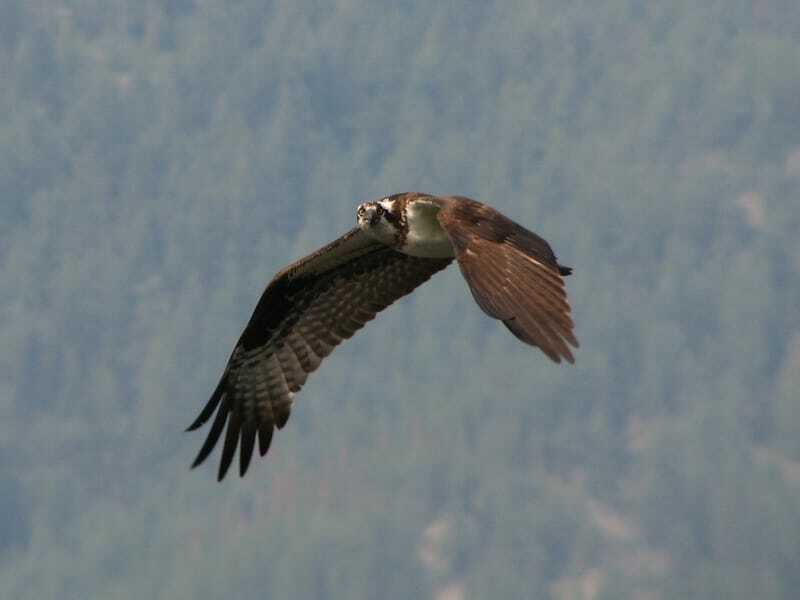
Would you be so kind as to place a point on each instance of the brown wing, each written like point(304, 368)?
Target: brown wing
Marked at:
point(304, 313)
point(513, 275)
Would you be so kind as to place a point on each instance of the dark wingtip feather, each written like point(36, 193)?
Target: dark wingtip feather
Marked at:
point(211, 405)
point(213, 435)
point(264, 437)
point(282, 412)
point(248, 442)
point(229, 447)
point(564, 270)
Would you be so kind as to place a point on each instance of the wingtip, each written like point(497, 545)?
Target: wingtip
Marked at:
point(201, 419)
point(567, 355)
point(208, 410)
point(201, 456)
point(222, 470)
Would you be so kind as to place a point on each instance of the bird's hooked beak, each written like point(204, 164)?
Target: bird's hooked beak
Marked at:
point(374, 217)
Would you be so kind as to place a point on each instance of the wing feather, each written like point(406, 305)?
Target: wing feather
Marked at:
point(213, 434)
point(292, 368)
point(548, 303)
point(265, 430)
point(512, 273)
point(305, 312)
point(547, 327)
point(231, 439)
point(308, 360)
point(248, 442)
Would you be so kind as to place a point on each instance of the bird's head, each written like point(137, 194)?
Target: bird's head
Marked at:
point(380, 219)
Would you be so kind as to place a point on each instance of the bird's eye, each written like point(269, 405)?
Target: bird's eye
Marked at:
point(379, 210)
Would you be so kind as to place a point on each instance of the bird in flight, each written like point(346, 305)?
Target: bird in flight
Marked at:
point(399, 242)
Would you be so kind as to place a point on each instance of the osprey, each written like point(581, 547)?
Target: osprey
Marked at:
point(399, 242)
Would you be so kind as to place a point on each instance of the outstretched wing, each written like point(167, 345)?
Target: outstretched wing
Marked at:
point(513, 274)
point(304, 313)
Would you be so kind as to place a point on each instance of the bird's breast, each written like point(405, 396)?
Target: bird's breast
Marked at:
point(425, 237)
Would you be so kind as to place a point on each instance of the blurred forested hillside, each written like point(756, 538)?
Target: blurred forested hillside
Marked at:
point(161, 159)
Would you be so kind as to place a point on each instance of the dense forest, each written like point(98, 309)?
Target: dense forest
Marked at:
point(161, 160)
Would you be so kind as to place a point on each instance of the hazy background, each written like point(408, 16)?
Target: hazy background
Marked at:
point(160, 160)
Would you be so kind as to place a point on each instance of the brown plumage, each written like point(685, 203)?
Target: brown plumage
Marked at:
point(513, 275)
point(314, 304)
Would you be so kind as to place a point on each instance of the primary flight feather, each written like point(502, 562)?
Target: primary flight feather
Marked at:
point(399, 242)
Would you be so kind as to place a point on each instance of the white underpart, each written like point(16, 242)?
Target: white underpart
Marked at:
point(425, 238)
